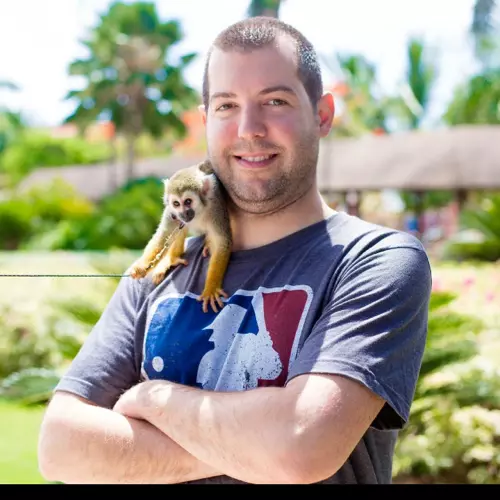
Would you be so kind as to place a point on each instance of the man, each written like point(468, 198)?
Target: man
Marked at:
point(309, 370)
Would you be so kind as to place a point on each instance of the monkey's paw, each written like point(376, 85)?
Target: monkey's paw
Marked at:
point(138, 270)
point(159, 274)
point(206, 251)
point(212, 295)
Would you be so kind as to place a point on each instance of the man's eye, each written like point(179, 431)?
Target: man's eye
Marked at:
point(224, 107)
point(277, 102)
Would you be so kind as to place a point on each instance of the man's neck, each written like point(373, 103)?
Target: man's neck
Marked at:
point(253, 230)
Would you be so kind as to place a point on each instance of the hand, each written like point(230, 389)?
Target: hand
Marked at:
point(140, 399)
point(132, 402)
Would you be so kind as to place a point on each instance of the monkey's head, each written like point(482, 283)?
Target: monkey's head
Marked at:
point(186, 194)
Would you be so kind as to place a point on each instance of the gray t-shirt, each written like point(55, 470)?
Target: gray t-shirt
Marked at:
point(342, 296)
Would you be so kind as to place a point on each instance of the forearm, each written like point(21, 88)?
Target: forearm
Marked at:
point(249, 435)
point(89, 444)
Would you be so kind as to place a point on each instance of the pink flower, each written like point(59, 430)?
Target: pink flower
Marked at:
point(469, 281)
point(436, 285)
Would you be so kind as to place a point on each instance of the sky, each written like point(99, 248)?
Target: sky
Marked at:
point(38, 40)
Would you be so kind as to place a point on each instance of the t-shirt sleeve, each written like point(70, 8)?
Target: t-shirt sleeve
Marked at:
point(106, 366)
point(374, 328)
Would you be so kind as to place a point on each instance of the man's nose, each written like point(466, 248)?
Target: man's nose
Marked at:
point(251, 124)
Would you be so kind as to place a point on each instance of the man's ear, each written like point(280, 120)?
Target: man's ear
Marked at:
point(202, 110)
point(326, 112)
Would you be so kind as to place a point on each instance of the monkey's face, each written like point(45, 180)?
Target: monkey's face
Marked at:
point(185, 207)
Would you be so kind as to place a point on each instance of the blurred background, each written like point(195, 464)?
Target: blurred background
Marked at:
point(98, 102)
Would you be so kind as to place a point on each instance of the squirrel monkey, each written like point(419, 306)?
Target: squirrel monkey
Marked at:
point(194, 201)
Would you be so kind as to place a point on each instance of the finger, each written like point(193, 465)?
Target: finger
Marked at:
point(212, 302)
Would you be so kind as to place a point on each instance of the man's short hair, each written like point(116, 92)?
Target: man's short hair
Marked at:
point(258, 32)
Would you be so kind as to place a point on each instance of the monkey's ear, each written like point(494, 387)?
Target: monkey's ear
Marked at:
point(206, 167)
point(165, 182)
point(207, 184)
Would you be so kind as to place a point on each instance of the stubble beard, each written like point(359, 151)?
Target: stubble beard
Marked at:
point(268, 194)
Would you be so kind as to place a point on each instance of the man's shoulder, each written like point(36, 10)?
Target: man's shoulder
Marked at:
point(356, 233)
point(378, 249)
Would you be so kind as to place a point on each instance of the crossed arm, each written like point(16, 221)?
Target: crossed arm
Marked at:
point(168, 433)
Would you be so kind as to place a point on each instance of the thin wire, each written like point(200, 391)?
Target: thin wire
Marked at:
point(64, 275)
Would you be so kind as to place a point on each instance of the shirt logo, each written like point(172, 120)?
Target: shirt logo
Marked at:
point(249, 343)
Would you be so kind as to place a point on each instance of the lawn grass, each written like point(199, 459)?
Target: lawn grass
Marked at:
point(18, 444)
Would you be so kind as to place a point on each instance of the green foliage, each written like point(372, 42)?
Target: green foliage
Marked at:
point(15, 223)
point(476, 101)
point(413, 101)
point(128, 75)
point(11, 126)
point(484, 221)
point(366, 109)
point(36, 344)
point(32, 150)
point(36, 339)
point(30, 386)
point(483, 28)
point(264, 8)
point(454, 426)
point(55, 217)
point(38, 209)
point(428, 200)
point(451, 337)
point(125, 219)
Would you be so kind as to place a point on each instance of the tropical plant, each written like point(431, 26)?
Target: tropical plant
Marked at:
point(129, 78)
point(11, 123)
point(417, 86)
point(483, 223)
point(268, 8)
point(477, 101)
point(484, 31)
point(37, 210)
point(454, 426)
point(31, 149)
point(364, 106)
point(125, 219)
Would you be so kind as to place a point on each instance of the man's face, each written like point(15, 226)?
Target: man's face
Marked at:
point(262, 131)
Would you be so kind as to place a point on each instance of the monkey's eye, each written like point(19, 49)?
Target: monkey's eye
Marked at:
point(188, 202)
point(176, 204)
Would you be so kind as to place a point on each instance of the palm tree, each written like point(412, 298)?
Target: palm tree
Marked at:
point(8, 85)
point(420, 77)
point(128, 77)
point(483, 28)
point(364, 104)
point(11, 122)
point(269, 8)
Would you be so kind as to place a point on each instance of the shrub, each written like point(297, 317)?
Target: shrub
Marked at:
point(33, 150)
point(484, 222)
point(35, 212)
point(454, 427)
point(125, 219)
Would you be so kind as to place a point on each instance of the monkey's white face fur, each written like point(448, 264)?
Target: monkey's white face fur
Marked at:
point(186, 205)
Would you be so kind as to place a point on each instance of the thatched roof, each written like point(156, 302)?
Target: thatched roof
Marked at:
point(466, 157)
